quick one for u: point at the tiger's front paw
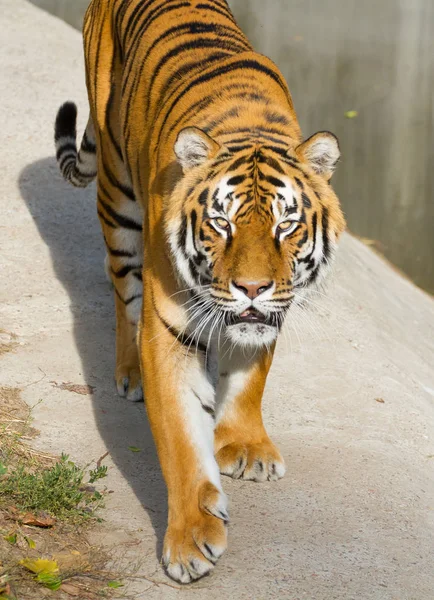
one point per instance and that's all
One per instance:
(129, 383)
(197, 538)
(257, 462)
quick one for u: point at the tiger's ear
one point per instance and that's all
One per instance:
(321, 151)
(193, 147)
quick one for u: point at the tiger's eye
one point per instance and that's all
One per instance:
(222, 223)
(286, 225)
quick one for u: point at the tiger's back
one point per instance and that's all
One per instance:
(164, 63)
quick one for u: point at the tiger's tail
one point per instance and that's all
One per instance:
(79, 168)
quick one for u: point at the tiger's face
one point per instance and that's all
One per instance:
(252, 230)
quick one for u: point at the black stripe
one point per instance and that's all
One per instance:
(129, 300)
(182, 234)
(247, 211)
(271, 162)
(314, 228)
(225, 14)
(276, 118)
(247, 64)
(303, 240)
(182, 73)
(84, 177)
(135, 17)
(231, 113)
(192, 268)
(222, 3)
(263, 131)
(195, 44)
(68, 147)
(119, 253)
(184, 339)
(119, 219)
(206, 408)
(106, 221)
(87, 145)
(239, 148)
(150, 18)
(283, 153)
(270, 179)
(203, 196)
(325, 226)
(193, 110)
(306, 200)
(193, 217)
(126, 190)
(124, 271)
(308, 258)
(103, 189)
(240, 161)
(236, 180)
(199, 106)
(68, 158)
(313, 275)
(108, 113)
(265, 192)
(100, 38)
(290, 210)
(253, 94)
(194, 28)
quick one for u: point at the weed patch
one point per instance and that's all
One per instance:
(59, 490)
(46, 503)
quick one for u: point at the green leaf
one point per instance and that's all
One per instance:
(351, 114)
(97, 473)
(134, 449)
(3, 469)
(31, 543)
(11, 538)
(115, 584)
(50, 581)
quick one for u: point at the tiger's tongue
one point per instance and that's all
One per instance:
(249, 311)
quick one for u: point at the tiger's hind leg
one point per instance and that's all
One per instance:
(121, 221)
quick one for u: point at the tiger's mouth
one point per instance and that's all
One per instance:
(251, 315)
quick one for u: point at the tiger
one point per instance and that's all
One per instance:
(218, 218)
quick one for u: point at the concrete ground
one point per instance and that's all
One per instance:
(350, 399)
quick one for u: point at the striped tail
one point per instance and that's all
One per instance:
(79, 168)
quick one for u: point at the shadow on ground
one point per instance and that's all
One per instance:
(67, 222)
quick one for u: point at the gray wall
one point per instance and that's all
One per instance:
(373, 56)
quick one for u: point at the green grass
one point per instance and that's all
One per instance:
(60, 490)
(43, 485)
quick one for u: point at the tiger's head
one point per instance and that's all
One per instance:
(253, 226)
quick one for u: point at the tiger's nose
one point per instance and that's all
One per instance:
(252, 289)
